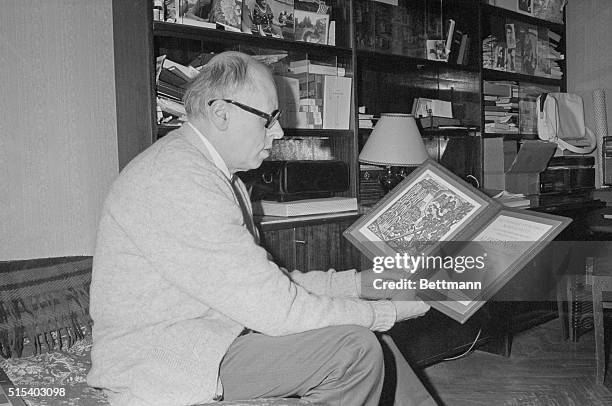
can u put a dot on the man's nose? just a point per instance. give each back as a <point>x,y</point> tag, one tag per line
<point>276,131</point>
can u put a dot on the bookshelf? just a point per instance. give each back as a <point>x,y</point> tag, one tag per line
<point>393,69</point>
<point>524,55</point>
<point>183,43</point>
<point>388,74</point>
<point>383,49</point>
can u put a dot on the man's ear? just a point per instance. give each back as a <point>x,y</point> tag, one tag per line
<point>219,115</point>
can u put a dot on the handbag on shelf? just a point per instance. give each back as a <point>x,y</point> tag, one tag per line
<point>561,120</point>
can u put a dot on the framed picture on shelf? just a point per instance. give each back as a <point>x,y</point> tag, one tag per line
<point>258,19</point>
<point>527,49</point>
<point>227,13</point>
<point>500,56</point>
<point>510,60</point>
<point>194,12</point>
<point>311,27</point>
<point>436,50</point>
<point>283,13</point>
<point>510,36</point>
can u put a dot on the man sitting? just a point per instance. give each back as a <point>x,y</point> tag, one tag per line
<point>188,308</point>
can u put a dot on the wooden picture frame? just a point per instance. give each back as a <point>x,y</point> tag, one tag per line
<point>435,215</point>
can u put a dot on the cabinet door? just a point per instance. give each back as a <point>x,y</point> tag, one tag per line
<point>320,247</point>
<point>312,247</point>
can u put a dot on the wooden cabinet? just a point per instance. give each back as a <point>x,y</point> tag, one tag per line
<point>314,246</point>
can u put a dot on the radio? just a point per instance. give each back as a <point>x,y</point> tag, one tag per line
<point>292,180</point>
<point>568,174</point>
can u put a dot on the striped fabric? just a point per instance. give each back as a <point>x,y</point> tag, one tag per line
<point>44,304</point>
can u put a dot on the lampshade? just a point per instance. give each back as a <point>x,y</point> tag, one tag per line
<point>395,141</point>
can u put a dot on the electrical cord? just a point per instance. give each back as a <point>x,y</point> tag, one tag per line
<point>468,350</point>
<point>473,180</point>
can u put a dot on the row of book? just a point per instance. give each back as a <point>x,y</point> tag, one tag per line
<point>367,120</point>
<point>501,107</point>
<point>299,20</point>
<point>523,48</point>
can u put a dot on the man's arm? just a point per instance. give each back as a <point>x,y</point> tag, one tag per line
<point>198,243</point>
<point>329,283</point>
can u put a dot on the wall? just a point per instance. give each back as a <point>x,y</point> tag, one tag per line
<point>589,46</point>
<point>589,52</point>
<point>58,146</point>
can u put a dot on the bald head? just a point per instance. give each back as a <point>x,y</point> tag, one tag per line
<point>225,76</point>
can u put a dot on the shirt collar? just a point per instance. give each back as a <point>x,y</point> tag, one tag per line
<point>214,154</point>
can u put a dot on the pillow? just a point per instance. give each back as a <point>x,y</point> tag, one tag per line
<point>44,304</point>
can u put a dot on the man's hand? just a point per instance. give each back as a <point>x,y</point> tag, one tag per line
<point>369,291</point>
<point>409,309</point>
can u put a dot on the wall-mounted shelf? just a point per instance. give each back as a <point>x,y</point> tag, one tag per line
<point>498,75</point>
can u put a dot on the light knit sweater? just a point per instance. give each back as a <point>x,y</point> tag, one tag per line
<point>177,276</point>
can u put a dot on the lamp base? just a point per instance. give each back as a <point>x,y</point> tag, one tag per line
<point>393,175</point>
<point>390,179</point>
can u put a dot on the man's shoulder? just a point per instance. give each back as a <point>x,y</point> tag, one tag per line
<point>173,153</point>
<point>171,161</point>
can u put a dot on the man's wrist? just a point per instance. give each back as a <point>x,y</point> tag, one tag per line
<point>358,283</point>
<point>385,315</point>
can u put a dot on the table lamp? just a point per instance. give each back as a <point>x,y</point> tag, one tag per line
<point>394,142</point>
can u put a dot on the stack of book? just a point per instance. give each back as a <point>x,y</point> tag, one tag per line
<point>306,66</point>
<point>315,95</point>
<point>508,199</point>
<point>528,110</point>
<point>501,106</point>
<point>366,120</point>
<point>172,80</point>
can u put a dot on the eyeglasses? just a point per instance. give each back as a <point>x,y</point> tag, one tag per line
<point>271,119</point>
